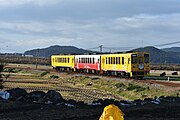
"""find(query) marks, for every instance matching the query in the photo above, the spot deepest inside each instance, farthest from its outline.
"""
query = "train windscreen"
(146, 58)
(134, 58)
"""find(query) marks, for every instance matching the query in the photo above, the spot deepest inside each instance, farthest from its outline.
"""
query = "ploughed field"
(87, 89)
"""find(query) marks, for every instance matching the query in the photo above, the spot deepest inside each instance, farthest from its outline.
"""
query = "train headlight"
(141, 66)
(134, 66)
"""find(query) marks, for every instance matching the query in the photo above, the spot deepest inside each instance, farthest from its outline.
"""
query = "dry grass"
(126, 89)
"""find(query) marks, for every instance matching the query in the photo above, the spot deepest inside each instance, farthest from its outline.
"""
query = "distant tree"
(2, 66)
(1, 80)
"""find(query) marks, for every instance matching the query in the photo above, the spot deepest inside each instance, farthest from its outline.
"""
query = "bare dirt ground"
(16, 110)
(23, 111)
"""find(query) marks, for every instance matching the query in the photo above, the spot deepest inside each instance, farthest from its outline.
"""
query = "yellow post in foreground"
(112, 112)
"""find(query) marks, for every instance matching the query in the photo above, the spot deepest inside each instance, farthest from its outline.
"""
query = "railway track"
(160, 82)
(33, 82)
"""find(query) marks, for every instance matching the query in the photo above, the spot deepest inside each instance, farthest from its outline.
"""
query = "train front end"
(140, 64)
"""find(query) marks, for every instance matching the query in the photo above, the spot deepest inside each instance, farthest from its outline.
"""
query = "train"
(132, 65)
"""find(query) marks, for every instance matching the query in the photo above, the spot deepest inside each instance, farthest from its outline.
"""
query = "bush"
(54, 77)
(11, 70)
(137, 88)
(43, 74)
(120, 85)
(1, 80)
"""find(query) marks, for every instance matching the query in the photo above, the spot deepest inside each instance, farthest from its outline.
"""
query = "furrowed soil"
(83, 88)
(23, 111)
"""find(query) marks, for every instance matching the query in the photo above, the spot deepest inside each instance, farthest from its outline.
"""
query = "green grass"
(129, 90)
(43, 74)
(54, 77)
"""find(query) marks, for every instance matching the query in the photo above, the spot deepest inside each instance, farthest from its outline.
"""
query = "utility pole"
(37, 53)
(142, 43)
(100, 47)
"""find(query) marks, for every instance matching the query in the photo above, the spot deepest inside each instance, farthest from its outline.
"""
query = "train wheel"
(128, 75)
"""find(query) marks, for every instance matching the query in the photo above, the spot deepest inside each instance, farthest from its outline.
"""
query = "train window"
(140, 60)
(123, 60)
(146, 58)
(68, 60)
(134, 58)
(106, 60)
(113, 60)
(117, 61)
(128, 60)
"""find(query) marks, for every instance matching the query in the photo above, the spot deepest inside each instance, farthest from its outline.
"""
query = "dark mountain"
(172, 49)
(160, 56)
(55, 50)
(156, 55)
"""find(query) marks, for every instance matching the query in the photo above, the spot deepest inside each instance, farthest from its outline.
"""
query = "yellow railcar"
(63, 62)
(134, 64)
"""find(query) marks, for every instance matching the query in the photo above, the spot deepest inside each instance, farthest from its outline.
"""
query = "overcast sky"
(31, 24)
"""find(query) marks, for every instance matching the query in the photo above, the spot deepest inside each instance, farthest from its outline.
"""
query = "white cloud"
(87, 24)
(120, 32)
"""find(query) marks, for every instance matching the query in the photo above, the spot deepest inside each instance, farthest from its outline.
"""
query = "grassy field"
(26, 76)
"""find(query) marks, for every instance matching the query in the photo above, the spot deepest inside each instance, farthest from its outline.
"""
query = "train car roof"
(87, 55)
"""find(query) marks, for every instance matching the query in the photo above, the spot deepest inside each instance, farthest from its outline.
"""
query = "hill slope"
(156, 55)
(172, 49)
(160, 56)
(52, 50)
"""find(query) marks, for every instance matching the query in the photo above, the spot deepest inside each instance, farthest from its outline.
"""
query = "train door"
(124, 66)
(140, 63)
(128, 64)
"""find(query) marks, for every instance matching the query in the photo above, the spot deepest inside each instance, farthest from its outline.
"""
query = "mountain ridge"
(156, 55)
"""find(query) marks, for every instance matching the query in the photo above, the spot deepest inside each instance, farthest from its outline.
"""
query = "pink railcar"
(88, 63)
